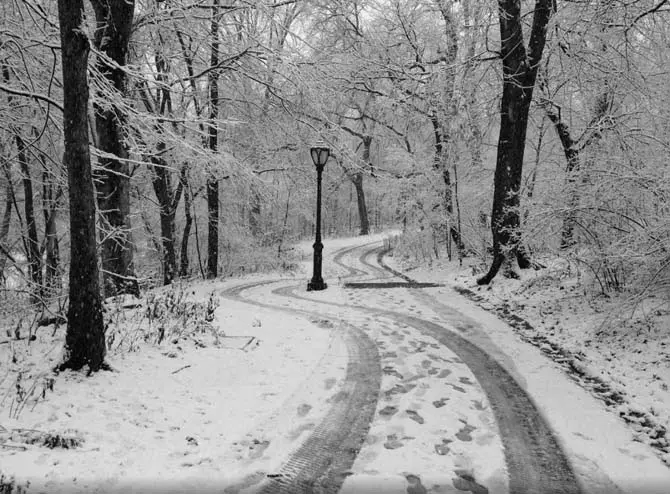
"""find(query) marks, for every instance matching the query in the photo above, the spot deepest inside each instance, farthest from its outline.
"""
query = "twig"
(248, 343)
(181, 369)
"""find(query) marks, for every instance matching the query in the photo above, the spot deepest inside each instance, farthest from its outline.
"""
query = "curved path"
(534, 459)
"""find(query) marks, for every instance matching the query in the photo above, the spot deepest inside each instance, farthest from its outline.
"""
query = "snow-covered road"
(450, 415)
(377, 384)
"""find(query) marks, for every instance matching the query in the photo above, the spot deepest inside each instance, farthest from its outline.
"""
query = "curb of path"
(642, 422)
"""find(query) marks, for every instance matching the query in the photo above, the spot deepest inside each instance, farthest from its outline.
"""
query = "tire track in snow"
(534, 457)
(322, 462)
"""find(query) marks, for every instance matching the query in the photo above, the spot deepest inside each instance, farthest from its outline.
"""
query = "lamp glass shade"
(320, 155)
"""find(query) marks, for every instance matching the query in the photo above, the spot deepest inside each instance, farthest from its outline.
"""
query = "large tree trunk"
(113, 24)
(212, 181)
(519, 74)
(357, 180)
(32, 243)
(85, 337)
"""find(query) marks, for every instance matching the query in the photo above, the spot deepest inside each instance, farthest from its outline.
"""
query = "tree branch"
(26, 94)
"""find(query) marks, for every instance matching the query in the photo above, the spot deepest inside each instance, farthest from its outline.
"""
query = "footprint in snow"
(252, 449)
(414, 485)
(466, 380)
(391, 371)
(392, 441)
(388, 411)
(419, 346)
(465, 481)
(399, 389)
(457, 388)
(478, 405)
(414, 415)
(444, 373)
(440, 403)
(304, 409)
(443, 448)
(465, 433)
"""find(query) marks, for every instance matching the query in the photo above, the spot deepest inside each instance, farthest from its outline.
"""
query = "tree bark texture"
(212, 181)
(113, 25)
(357, 180)
(163, 190)
(168, 200)
(85, 337)
(519, 74)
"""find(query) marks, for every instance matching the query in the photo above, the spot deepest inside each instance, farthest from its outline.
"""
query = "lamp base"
(316, 285)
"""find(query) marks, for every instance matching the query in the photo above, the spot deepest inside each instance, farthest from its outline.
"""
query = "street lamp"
(320, 153)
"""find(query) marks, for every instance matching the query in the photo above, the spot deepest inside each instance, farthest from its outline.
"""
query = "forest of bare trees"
(143, 141)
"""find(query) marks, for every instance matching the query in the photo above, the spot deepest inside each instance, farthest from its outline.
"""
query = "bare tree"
(85, 336)
(114, 20)
(213, 142)
(520, 68)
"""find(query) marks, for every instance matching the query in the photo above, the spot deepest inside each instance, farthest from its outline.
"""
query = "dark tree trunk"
(357, 180)
(168, 200)
(184, 262)
(572, 157)
(85, 337)
(113, 24)
(212, 181)
(32, 242)
(212, 228)
(167, 209)
(519, 74)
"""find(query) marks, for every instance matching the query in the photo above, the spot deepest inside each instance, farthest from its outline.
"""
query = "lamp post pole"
(320, 156)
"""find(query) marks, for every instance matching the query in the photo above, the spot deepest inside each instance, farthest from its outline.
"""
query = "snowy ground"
(614, 341)
(202, 411)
